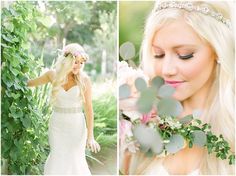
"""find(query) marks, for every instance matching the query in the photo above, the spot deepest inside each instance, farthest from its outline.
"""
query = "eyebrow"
(179, 46)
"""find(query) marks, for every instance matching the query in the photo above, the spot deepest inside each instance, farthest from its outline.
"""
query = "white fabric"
(157, 168)
(67, 137)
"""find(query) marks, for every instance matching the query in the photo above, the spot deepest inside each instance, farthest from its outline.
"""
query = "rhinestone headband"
(189, 6)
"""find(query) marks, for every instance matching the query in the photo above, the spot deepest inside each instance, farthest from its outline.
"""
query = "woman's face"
(77, 65)
(183, 60)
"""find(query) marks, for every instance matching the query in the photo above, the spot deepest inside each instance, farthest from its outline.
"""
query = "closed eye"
(159, 56)
(185, 57)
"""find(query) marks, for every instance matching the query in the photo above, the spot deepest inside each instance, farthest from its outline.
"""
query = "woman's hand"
(93, 145)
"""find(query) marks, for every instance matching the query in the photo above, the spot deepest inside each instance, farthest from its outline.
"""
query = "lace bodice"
(69, 99)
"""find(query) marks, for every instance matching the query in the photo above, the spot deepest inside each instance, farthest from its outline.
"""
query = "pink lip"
(174, 83)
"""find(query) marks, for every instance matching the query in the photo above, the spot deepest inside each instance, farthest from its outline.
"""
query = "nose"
(169, 67)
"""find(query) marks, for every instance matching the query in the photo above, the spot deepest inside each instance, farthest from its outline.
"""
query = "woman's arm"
(88, 108)
(43, 79)
(126, 163)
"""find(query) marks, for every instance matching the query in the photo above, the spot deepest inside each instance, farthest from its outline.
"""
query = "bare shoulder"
(51, 74)
(87, 79)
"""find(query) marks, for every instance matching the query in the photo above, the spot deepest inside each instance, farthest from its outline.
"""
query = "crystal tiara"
(189, 6)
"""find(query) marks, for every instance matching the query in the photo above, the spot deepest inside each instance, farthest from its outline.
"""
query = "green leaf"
(232, 159)
(7, 38)
(197, 113)
(186, 119)
(148, 138)
(9, 26)
(176, 143)
(146, 100)
(15, 95)
(124, 91)
(157, 82)
(149, 153)
(26, 122)
(140, 84)
(127, 50)
(46, 21)
(166, 91)
(199, 138)
(169, 107)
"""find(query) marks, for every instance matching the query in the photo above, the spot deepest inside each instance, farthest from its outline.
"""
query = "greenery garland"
(164, 133)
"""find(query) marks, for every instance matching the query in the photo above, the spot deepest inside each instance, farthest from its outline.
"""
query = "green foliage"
(124, 91)
(105, 114)
(91, 24)
(133, 14)
(105, 124)
(149, 140)
(175, 144)
(23, 123)
(173, 132)
(127, 50)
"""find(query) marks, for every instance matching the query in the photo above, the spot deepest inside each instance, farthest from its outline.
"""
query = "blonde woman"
(68, 132)
(191, 46)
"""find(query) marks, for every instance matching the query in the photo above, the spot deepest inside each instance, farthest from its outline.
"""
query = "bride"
(193, 50)
(68, 130)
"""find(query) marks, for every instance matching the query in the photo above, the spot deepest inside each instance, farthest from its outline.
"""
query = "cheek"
(199, 69)
(157, 69)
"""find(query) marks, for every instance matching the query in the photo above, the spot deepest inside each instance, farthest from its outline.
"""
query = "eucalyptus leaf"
(148, 138)
(140, 84)
(127, 50)
(186, 119)
(197, 113)
(124, 91)
(149, 153)
(169, 107)
(199, 138)
(165, 91)
(176, 143)
(146, 100)
(157, 82)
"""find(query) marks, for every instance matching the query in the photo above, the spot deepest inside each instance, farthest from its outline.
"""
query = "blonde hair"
(220, 104)
(63, 67)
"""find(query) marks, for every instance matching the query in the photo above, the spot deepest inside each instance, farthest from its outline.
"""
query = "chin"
(75, 72)
(180, 97)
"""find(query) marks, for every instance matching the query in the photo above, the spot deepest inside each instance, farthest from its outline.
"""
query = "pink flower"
(77, 53)
(151, 116)
(145, 118)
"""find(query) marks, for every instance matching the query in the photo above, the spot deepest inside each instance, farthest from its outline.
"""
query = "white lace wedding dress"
(67, 136)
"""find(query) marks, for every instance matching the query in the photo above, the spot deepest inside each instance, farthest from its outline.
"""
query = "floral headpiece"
(83, 56)
(189, 6)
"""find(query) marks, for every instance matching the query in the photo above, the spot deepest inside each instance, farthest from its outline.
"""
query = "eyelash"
(185, 57)
(79, 63)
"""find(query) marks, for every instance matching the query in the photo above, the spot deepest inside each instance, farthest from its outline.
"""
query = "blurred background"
(32, 33)
(132, 18)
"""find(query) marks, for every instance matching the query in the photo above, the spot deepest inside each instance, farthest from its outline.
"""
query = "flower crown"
(189, 6)
(84, 56)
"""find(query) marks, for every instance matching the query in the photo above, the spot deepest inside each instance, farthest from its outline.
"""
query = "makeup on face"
(183, 52)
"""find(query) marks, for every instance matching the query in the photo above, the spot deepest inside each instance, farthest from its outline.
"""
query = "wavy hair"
(220, 103)
(63, 67)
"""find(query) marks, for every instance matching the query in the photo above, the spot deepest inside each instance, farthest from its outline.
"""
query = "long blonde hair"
(220, 109)
(63, 67)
